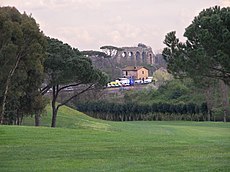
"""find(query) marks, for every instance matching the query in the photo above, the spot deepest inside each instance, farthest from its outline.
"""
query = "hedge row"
(135, 112)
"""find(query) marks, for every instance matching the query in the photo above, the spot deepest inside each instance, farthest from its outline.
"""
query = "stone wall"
(136, 55)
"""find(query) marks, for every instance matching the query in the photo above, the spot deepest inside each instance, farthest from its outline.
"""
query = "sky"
(90, 24)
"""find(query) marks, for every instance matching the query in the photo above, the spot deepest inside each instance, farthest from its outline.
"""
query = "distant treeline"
(136, 112)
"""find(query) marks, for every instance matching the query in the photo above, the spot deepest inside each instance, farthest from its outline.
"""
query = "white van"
(124, 81)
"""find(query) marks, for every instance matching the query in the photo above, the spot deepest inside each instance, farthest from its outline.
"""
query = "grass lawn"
(80, 143)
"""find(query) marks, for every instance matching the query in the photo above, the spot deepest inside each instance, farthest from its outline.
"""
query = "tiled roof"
(133, 68)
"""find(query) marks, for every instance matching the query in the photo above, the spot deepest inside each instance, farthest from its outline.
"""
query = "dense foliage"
(22, 52)
(135, 112)
(32, 64)
(206, 52)
(149, 103)
(172, 92)
(205, 55)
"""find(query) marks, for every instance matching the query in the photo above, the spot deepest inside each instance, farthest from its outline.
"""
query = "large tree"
(206, 53)
(22, 51)
(66, 67)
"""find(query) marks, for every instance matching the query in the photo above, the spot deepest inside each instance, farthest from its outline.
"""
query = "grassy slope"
(85, 144)
(68, 118)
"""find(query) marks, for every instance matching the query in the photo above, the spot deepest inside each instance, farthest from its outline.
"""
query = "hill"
(68, 118)
(81, 143)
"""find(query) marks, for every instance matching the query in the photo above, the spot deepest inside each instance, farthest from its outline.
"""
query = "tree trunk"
(37, 118)
(54, 111)
(55, 90)
(4, 100)
(11, 73)
(54, 117)
(18, 119)
(225, 100)
(54, 108)
(208, 97)
(21, 119)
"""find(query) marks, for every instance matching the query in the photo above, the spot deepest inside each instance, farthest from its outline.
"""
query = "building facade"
(135, 72)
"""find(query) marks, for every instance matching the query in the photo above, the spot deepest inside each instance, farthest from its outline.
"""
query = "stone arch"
(124, 58)
(124, 54)
(138, 58)
(131, 57)
(144, 57)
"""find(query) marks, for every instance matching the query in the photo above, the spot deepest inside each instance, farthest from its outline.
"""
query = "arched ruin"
(136, 55)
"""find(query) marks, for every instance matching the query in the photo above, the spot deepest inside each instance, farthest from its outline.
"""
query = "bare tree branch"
(70, 85)
(66, 101)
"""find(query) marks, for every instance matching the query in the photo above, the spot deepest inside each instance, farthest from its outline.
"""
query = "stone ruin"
(136, 56)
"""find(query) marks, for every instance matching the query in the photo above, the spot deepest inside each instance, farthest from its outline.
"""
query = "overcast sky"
(90, 24)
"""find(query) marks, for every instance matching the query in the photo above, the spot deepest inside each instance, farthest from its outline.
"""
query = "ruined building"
(135, 56)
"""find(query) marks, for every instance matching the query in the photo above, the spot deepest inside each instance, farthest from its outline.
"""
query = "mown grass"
(80, 143)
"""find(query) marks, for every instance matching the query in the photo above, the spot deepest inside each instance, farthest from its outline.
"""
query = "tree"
(22, 46)
(95, 53)
(205, 54)
(207, 49)
(66, 67)
(161, 76)
(111, 52)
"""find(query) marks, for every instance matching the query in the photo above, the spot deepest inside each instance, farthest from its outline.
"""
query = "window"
(143, 72)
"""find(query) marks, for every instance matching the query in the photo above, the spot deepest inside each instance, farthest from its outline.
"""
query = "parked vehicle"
(114, 84)
(147, 81)
(124, 81)
(138, 81)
